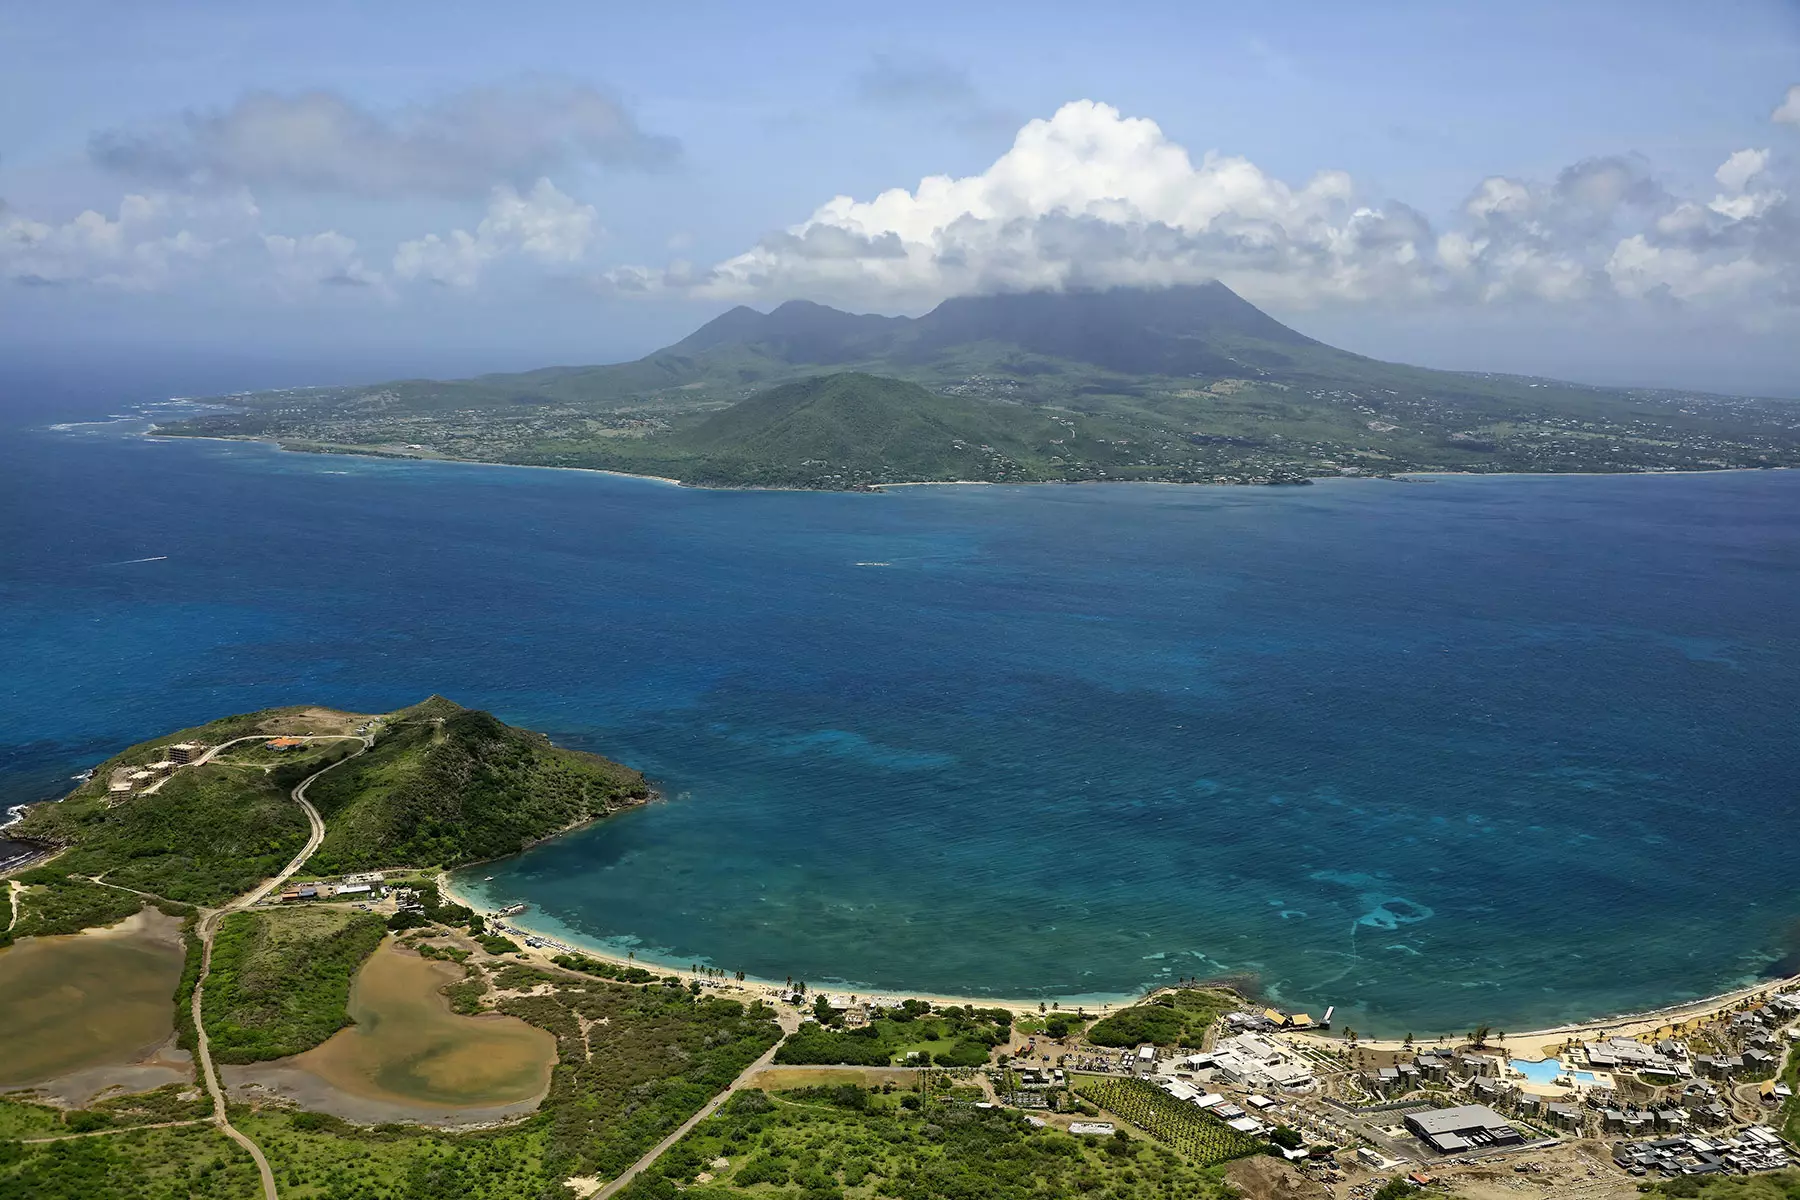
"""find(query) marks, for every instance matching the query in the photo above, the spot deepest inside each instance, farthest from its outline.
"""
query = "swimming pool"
(1539, 1072)
(1550, 1070)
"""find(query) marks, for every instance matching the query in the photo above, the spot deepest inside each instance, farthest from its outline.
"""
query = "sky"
(332, 192)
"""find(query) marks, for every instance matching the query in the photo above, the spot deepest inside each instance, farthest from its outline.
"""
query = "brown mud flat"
(409, 1058)
(90, 1011)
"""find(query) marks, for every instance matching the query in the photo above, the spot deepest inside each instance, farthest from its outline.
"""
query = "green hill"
(445, 785)
(1182, 384)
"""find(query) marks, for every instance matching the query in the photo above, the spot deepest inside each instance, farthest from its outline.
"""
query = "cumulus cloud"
(1092, 198)
(327, 258)
(1788, 111)
(320, 141)
(542, 224)
(154, 239)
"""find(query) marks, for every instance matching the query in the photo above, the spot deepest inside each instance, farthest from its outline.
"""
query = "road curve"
(209, 927)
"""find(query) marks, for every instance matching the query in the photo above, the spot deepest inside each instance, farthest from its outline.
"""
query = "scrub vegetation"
(947, 1037)
(189, 1162)
(1178, 1018)
(280, 981)
(446, 785)
(849, 1143)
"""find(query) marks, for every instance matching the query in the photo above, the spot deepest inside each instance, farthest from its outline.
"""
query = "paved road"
(707, 1110)
(209, 928)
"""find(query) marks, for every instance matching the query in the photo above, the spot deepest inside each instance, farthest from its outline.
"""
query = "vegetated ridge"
(1184, 384)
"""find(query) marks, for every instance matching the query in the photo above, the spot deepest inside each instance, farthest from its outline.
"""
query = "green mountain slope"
(445, 785)
(1183, 384)
(867, 429)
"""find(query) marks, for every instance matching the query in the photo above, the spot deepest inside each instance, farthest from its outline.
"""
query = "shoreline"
(877, 488)
(1529, 1043)
(753, 985)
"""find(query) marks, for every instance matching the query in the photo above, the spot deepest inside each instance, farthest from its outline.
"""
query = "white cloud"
(1736, 172)
(154, 239)
(320, 141)
(1088, 197)
(543, 224)
(327, 258)
(1788, 111)
(1093, 198)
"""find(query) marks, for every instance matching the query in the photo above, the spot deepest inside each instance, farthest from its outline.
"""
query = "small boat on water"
(487, 879)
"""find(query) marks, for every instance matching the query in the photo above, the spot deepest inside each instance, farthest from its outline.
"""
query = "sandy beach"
(1532, 1044)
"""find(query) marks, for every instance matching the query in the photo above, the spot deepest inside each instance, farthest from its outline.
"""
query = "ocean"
(1467, 750)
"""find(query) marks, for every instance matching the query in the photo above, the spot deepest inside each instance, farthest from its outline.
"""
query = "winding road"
(208, 928)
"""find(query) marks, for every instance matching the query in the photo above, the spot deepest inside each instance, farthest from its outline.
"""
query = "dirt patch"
(1266, 1178)
(781, 1079)
(313, 720)
(281, 1080)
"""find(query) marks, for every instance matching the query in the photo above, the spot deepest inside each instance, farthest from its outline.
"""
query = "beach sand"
(1534, 1044)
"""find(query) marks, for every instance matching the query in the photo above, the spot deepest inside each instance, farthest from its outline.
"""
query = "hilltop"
(1183, 384)
(440, 785)
(445, 785)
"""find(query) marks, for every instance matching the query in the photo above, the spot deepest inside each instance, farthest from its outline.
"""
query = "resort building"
(183, 753)
(1467, 1127)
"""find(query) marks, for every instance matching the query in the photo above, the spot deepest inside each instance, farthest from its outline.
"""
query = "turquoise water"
(1547, 1071)
(1511, 751)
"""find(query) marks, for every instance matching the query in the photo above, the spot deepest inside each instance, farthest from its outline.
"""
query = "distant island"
(1178, 385)
(233, 966)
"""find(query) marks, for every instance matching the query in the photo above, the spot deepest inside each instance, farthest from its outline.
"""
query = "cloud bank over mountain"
(1087, 197)
(1090, 197)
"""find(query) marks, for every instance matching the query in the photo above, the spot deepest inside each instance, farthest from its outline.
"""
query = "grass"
(194, 1162)
(317, 1157)
(1174, 1018)
(848, 1143)
(452, 785)
(22, 1119)
(951, 1037)
(280, 980)
(210, 833)
(55, 904)
(651, 1056)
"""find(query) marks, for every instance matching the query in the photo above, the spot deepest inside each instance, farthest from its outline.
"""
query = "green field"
(280, 980)
(1196, 1133)
(848, 1143)
(949, 1037)
(1179, 1018)
(193, 1162)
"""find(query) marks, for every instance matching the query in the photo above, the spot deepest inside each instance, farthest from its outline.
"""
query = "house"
(355, 889)
(184, 753)
(1563, 1116)
(284, 743)
(1466, 1127)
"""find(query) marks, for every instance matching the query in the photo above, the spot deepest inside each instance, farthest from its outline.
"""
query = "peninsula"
(256, 912)
(1175, 385)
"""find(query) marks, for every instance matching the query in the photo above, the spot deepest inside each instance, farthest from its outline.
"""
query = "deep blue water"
(1506, 750)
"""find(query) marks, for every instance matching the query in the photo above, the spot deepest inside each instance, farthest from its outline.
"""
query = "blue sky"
(1599, 191)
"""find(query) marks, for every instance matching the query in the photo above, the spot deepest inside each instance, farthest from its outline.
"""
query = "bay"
(1504, 750)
